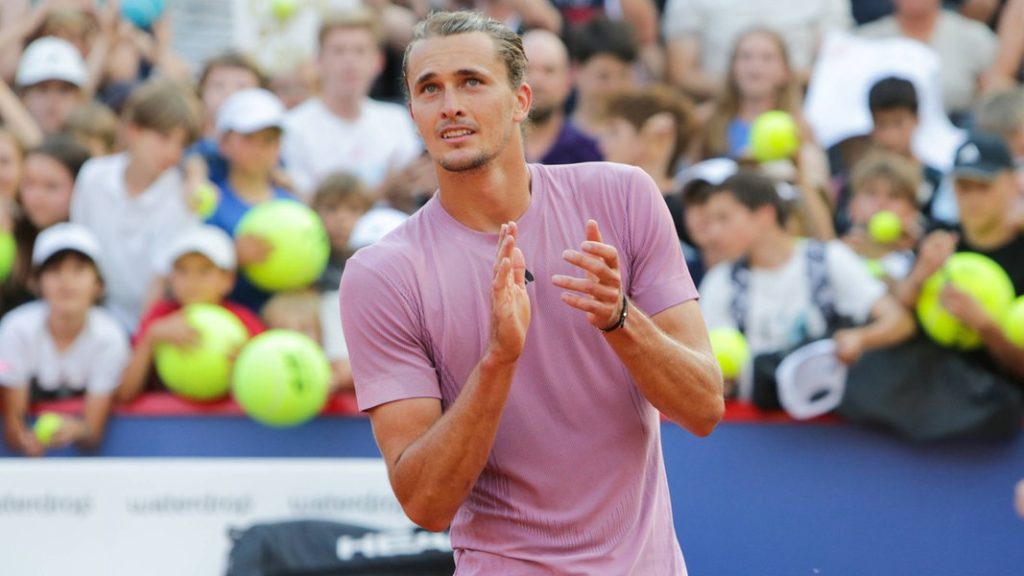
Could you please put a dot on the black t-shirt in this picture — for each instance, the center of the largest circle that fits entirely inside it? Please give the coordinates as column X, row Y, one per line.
column 1010, row 256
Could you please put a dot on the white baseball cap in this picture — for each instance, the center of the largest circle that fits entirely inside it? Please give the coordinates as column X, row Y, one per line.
column 249, row 111
column 51, row 58
column 374, row 225
column 714, row 171
column 811, row 380
column 204, row 239
column 65, row 236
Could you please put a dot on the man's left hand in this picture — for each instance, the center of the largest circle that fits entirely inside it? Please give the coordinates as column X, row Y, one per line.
column 599, row 292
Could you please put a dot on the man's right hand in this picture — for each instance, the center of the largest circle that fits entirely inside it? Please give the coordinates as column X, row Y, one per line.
column 935, row 249
column 510, row 302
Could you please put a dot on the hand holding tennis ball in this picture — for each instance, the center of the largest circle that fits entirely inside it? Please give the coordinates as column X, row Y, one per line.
column 46, row 426
column 774, row 135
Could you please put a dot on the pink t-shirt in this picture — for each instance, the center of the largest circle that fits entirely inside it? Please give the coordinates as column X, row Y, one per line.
column 575, row 483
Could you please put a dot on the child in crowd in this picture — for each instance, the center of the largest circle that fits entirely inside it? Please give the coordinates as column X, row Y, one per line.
column 200, row 268
column 135, row 201
column 340, row 200
column 95, row 126
column 63, row 345
column 893, row 103
column 317, row 316
column 221, row 77
column 249, row 126
column 44, row 198
column 883, row 181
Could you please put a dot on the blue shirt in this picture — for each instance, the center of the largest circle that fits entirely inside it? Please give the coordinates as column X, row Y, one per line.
column 216, row 165
column 229, row 212
column 739, row 138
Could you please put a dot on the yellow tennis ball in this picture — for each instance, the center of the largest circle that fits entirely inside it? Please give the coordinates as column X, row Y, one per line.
column 47, row 425
column 774, row 136
column 299, row 245
column 885, row 227
column 284, row 9
column 1014, row 323
column 281, row 378
column 8, row 251
column 731, row 351
column 207, row 199
column 203, row 371
column 979, row 277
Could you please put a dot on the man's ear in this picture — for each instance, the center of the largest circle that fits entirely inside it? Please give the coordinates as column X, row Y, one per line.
column 524, row 100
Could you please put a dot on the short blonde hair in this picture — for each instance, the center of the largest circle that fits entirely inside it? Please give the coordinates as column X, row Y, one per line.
column 163, row 105
column 292, row 304
column 93, row 120
column 901, row 173
column 357, row 18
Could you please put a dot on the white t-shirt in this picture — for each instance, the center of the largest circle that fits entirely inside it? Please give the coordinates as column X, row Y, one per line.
column 317, row 143
column 133, row 232
column 718, row 23
column 331, row 335
column 780, row 309
column 92, row 363
column 966, row 48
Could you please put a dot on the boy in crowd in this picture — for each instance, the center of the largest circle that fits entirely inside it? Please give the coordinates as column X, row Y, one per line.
column 893, row 103
column 62, row 345
column 249, row 128
column 340, row 201
column 200, row 267
column 51, row 78
column 986, row 191
column 781, row 290
column 881, row 181
column 135, row 201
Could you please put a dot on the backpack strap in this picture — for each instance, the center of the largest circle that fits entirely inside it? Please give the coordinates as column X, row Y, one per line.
column 740, row 303
column 823, row 295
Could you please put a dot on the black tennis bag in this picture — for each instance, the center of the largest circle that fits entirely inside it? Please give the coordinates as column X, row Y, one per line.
column 326, row 548
column 924, row 392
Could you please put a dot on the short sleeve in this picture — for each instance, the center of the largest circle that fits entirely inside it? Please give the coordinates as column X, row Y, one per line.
column 14, row 350
column 110, row 360
column 659, row 278
column 856, row 289
column 386, row 346
column 682, row 18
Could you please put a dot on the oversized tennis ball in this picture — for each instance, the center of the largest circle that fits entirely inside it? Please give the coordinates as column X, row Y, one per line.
column 281, row 378
column 299, row 245
column 731, row 351
column 206, row 200
column 203, row 371
column 885, row 227
column 46, row 426
column 974, row 274
column 774, row 136
column 142, row 13
column 284, row 9
column 1014, row 323
column 8, row 252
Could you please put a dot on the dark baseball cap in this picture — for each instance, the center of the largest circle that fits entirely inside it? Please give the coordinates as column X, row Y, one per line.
column 982, row 157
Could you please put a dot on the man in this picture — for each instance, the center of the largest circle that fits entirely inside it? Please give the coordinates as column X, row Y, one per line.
column 513, row 375
column 550, row 137
column 965, row 47
column 986, row 193
column 343, row 129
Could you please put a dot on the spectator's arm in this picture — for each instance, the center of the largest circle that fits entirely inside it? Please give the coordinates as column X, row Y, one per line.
column 95, row 415
column 133, row 379
column 814, row 214
column 890, row 324
column 1007, row 61
column 967, row 309
column 164, row 58
column 18, row 436
column 17, row 119
column 684, row 71
column 538, row 14
column 341, row 376
column 934, row 250
column 96, row 61
column 642, row 16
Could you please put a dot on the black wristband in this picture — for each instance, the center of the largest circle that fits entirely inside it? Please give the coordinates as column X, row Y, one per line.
column 622, row 317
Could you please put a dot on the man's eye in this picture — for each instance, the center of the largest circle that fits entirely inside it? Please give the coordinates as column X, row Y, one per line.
column 473, row 82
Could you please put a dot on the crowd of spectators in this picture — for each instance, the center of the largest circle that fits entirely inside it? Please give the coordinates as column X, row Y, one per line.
column 110, row 126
